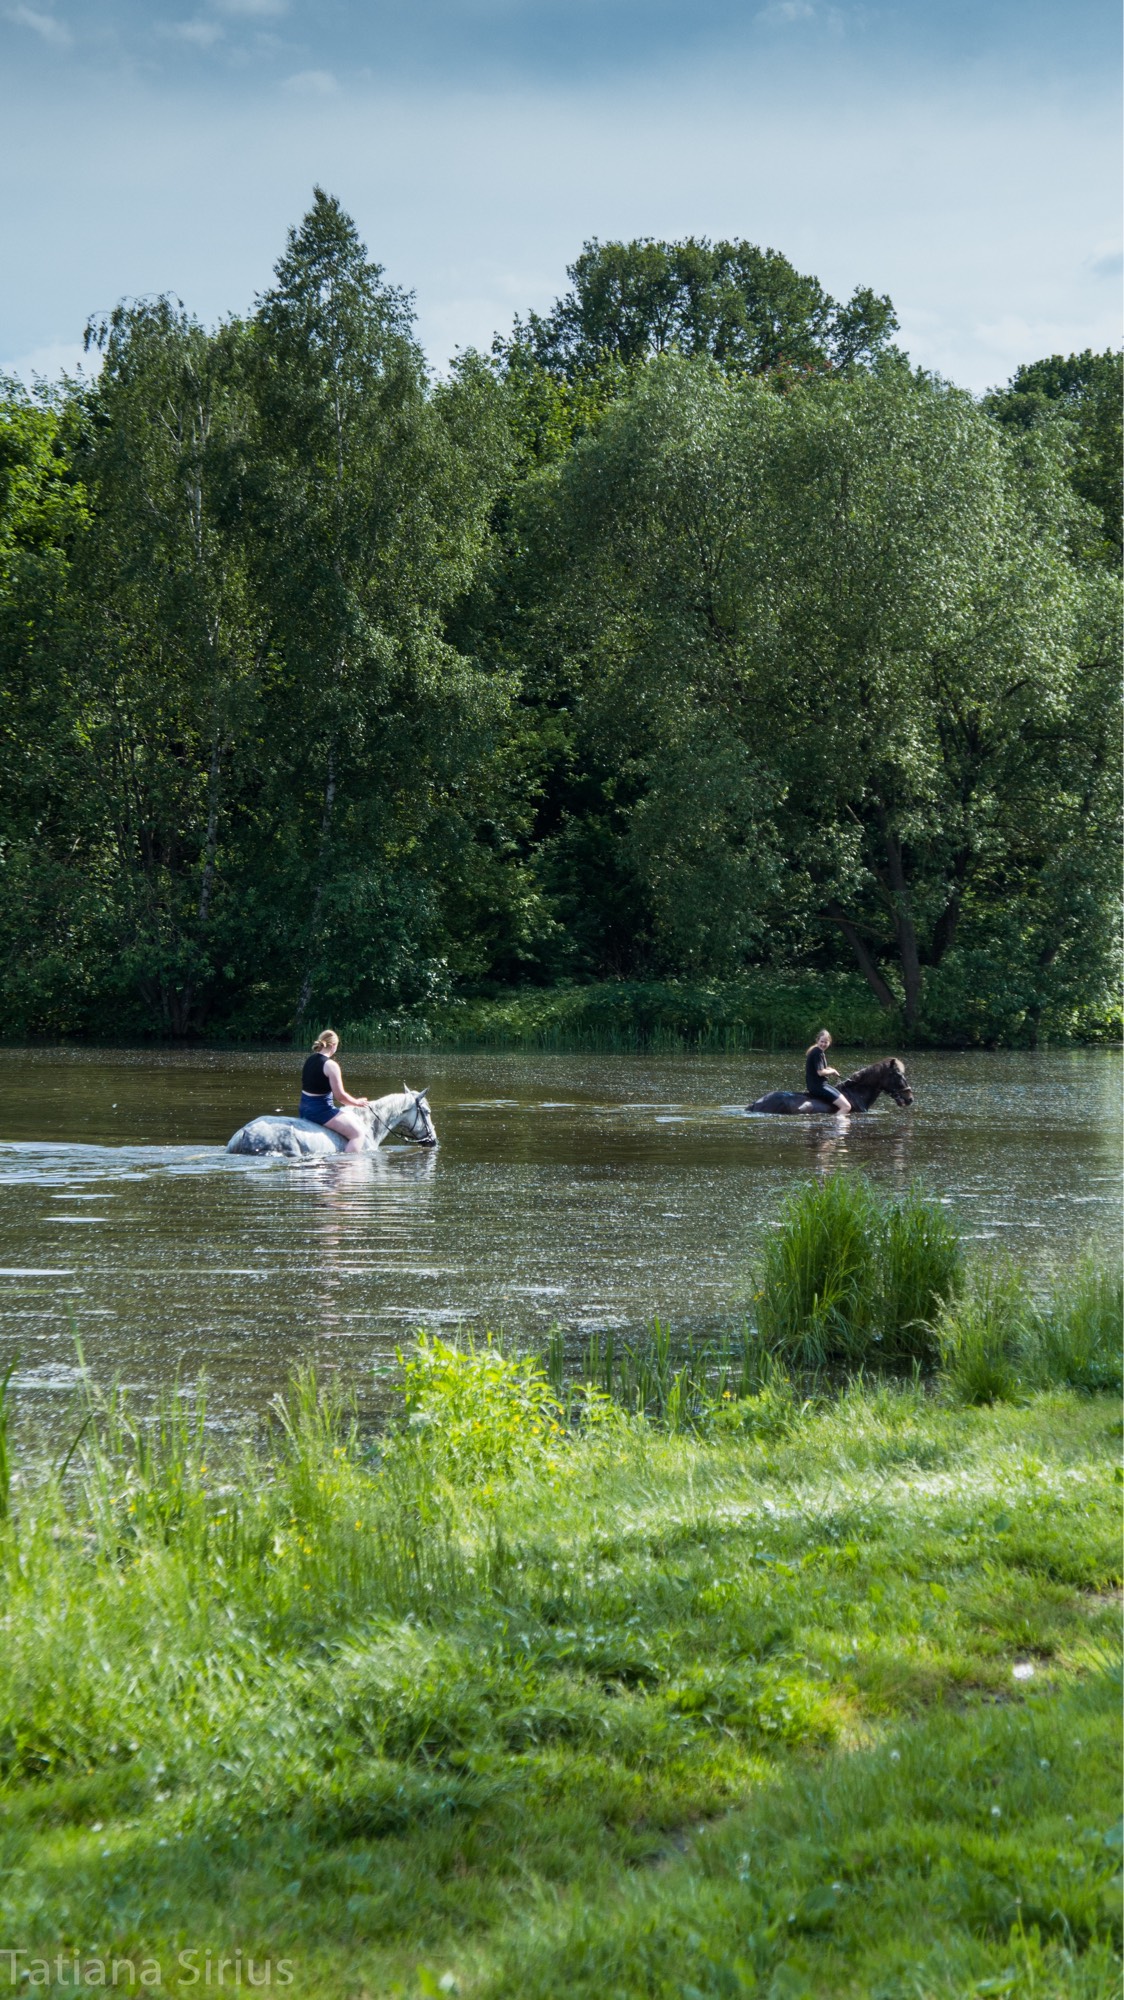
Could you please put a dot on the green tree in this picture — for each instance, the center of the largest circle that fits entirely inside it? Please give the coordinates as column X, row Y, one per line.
column 373, row 512
column 43, row 517
column 835, row 646
column 1085, row 394
column 167, row 650
column 747, row 308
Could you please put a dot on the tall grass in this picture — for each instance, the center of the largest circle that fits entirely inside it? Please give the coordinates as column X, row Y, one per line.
column 1075, row 1339
column 5, row 1442
column 998, row 1340
column 852, row 1278
column 761, row 1010
column 982, row 1335
column 673, row 1377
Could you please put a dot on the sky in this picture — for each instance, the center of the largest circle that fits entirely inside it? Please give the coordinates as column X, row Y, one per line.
column 961, row 155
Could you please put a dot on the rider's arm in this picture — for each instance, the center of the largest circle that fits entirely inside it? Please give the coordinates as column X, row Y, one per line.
column 332, row 1072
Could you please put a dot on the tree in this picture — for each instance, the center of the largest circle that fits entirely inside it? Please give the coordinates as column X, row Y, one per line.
column 837, row 642
column 1085, row 394
column 747, row 308
column 43, row 517
column 373, row 512
column 263, row 776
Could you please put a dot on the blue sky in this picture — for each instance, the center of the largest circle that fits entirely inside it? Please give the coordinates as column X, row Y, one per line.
column 962, row 157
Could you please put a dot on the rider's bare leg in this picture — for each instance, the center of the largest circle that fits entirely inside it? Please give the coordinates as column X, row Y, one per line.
column 350, row 1128
column 842, row 1105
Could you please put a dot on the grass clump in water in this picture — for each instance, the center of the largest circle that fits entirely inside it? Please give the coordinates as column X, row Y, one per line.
column 852, row 1278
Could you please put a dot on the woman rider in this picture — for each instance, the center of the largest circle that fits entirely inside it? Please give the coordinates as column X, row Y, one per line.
column 323, row 1096
column 816, row 1069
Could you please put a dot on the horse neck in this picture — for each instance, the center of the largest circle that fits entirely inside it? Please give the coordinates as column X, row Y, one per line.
column 868, row 1088
column 388, row 1112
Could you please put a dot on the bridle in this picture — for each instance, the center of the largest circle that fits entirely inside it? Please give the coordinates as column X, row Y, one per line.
column 900, row 1091
column 426, row 1136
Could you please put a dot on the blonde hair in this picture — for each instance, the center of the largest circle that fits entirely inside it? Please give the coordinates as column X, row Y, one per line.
column 328, row 1040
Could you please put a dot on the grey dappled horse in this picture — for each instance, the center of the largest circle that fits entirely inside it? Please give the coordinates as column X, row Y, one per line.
column 406, row 1111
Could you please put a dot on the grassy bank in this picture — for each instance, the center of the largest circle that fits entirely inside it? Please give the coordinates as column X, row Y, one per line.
column 759, row 1010
column 532, row 1694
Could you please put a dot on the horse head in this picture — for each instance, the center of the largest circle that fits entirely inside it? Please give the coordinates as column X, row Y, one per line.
column 417, row 1119
column 896, row 1084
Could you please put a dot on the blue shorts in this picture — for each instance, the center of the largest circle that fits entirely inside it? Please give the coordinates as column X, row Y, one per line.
column 826, row 1094
column 317, row 1109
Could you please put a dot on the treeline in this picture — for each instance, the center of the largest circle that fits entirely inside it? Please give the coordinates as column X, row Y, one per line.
column 691, row 631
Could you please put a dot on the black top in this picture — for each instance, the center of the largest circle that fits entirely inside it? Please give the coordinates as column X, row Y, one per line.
column 815, row 1063
column 314, row 1083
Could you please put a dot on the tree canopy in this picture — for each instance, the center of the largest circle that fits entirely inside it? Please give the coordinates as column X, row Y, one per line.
column 692, row 631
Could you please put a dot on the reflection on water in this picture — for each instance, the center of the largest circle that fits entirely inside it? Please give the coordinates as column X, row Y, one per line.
column 589, row 1190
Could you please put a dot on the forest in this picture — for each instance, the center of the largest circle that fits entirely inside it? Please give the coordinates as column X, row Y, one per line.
column 691, row 635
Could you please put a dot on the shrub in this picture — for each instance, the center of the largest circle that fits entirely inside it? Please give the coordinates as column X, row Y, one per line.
column 852, row 1277
column 482, row 1413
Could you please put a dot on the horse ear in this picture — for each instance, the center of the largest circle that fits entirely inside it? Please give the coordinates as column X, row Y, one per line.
column 423, row 1093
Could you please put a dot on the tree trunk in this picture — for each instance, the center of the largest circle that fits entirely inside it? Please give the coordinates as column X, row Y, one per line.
column 881, row 991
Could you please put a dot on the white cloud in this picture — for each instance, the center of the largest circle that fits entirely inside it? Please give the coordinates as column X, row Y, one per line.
column 958, row 200
column 48, row 363
column 1109, row 264
column 41, row 24
column 312, row 83
column 201, row 34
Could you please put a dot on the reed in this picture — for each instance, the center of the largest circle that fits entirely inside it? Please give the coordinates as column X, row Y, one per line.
column 983, row 1334
column 851, row 1278
column 1074, row 1339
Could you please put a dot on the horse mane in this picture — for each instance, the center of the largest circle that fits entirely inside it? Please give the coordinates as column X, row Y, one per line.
column 875, row 1073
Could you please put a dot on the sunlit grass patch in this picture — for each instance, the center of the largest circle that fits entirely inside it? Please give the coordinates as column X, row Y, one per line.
column 945, row 1861
column 461, row 1697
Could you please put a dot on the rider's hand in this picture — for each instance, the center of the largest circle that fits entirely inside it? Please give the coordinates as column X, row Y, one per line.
column 363, row 1103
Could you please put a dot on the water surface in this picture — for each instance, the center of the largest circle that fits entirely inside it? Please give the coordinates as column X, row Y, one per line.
column 589, row 1190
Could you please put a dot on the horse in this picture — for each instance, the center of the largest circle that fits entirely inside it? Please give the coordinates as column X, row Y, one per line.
column 860, row 1090
column 406, row 1112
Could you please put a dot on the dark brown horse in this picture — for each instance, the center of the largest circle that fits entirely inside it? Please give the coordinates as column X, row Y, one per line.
column 860, row 1090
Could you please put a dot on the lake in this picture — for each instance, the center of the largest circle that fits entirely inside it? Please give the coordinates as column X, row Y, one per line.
column 592, row 1191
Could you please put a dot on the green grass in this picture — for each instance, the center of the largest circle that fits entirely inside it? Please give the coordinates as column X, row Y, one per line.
column 852, row 1277
column 760, row 1010
column 513, row 1705
column 997, row 1340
